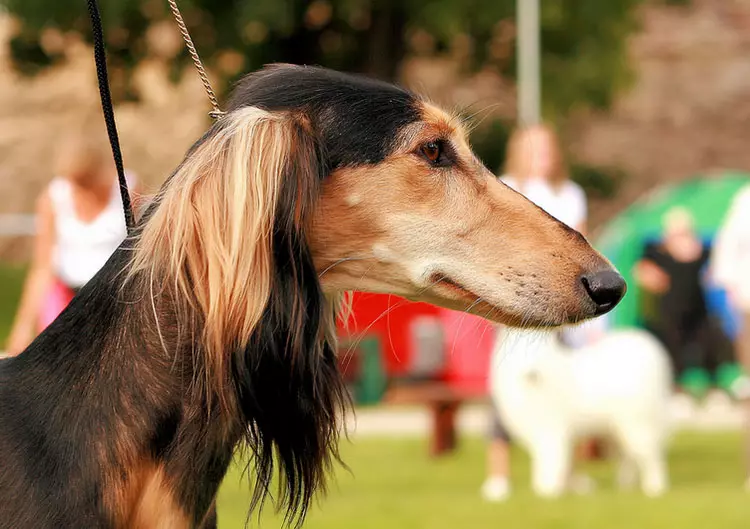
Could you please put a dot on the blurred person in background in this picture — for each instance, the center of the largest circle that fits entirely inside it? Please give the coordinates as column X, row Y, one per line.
column 535, row 168
column 80, row 222
column 675, row 307
column 731, row 270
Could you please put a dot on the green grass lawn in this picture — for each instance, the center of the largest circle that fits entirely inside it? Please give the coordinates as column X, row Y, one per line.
column 11, row 281
column 393, row 484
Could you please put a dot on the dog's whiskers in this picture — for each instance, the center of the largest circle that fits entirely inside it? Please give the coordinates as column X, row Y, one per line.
column 341, row 261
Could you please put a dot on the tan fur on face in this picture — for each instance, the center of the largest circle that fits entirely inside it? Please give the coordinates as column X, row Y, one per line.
column 451, row 236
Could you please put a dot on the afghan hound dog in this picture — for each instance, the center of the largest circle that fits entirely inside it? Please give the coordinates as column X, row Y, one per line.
column 212, row 329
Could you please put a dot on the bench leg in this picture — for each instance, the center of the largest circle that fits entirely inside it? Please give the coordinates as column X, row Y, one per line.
column 444, row 428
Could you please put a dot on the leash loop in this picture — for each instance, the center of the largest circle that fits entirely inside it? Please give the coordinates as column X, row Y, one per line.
column 100, row 57
column 216, row 112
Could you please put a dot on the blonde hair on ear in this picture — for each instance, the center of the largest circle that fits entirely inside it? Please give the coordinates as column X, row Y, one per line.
column 210, row 234
column 209, row 237
column 259, row 334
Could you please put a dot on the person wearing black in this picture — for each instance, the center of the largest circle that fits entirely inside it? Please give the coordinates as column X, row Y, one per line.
column 674, row 306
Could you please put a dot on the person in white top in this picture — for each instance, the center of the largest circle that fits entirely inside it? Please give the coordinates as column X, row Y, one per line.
column 731, row 258
column 535, row 168
column 80, row 223
column 730, row 269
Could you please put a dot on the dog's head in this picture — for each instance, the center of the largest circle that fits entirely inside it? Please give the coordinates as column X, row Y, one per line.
column 315, row 183
column 405, row 207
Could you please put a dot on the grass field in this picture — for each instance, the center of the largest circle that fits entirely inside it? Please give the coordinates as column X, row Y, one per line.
column 394, row 485
column 11, row 280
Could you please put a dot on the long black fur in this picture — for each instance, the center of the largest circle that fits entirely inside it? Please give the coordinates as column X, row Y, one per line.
column 99, row 377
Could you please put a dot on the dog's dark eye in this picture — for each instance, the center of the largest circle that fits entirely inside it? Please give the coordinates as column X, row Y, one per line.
column 432, row 151
column 438, row 153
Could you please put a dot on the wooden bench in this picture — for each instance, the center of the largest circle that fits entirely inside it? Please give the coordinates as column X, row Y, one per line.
column 443, row 402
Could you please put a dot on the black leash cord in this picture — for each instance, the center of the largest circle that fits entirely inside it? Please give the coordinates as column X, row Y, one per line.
column 100, row 58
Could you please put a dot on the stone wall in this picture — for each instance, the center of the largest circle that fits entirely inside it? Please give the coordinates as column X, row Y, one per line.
column 35, row 113
column 689, row 111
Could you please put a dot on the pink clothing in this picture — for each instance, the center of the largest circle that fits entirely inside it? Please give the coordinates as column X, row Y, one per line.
column 81, row 248
column 57, row 298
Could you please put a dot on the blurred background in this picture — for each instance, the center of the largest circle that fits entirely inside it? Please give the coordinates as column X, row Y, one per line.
column 650, row 101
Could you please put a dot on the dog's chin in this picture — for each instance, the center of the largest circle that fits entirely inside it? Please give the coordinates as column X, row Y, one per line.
column 448, row 293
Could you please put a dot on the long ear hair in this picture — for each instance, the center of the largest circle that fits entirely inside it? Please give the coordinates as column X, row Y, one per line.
column 227, row 238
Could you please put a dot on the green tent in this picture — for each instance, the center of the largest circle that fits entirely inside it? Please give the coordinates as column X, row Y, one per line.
column 623, row 238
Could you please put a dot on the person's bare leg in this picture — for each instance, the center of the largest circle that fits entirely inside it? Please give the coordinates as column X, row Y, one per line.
column 498, row 458
column 496, row 486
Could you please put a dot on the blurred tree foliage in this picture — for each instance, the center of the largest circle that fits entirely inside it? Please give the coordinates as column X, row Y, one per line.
column 584, row 41
column 584, row 44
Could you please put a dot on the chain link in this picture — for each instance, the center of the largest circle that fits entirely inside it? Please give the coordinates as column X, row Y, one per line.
column 216, row 112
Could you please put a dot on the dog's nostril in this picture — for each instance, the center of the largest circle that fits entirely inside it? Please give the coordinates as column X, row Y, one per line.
column 605, row 288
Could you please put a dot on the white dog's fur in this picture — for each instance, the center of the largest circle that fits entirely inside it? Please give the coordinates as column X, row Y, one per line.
column 549, row 395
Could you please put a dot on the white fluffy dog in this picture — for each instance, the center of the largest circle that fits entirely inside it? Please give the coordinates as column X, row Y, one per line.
column 549, row 395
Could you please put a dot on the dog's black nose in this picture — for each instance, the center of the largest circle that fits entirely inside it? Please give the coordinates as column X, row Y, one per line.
column 606, row 289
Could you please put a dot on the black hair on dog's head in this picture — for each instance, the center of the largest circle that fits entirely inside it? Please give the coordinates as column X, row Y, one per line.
column 356, row 118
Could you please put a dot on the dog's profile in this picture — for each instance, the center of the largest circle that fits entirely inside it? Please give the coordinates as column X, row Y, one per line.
column 550, row 396
column 212, row 329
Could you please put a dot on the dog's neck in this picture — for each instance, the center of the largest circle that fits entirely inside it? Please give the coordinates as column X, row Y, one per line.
column 132, row 393
column 195, row 435
column 135, row 403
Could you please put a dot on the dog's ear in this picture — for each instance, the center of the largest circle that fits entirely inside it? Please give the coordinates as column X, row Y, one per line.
column 229, row 235
column 287, row 379
column 212, row 235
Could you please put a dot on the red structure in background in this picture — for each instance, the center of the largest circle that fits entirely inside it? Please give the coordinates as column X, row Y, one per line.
column 467, row 339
